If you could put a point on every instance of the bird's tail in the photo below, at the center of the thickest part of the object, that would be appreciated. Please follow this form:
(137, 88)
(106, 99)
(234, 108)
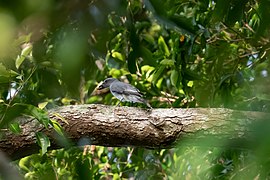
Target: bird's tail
(146, 103)
(141, 100)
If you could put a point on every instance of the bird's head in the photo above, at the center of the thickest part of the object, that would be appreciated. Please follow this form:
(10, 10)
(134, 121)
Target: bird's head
(106, 83)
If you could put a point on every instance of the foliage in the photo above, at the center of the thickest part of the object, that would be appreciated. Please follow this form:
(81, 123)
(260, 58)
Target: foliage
(179, 53)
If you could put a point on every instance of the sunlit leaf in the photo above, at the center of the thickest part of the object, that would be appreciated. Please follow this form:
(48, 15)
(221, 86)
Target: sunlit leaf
(25, 52)
(190, 84)
(57, 127)
(162, 44)
(42, 105)
(118, 55)
(181, 91)
(167, 62)
(24, 163)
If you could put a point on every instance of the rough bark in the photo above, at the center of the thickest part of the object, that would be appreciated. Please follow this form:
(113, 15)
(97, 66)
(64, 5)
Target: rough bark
(129, 126)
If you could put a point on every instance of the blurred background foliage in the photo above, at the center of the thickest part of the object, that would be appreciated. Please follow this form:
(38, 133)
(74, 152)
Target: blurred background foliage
(179, 53)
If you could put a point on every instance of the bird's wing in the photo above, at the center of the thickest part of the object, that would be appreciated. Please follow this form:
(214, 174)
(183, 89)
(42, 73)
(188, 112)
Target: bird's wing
(131, 90)
(125, 89)
(127, 92)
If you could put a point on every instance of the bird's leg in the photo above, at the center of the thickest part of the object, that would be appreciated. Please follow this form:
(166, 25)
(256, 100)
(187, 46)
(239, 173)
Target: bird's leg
(118, 103)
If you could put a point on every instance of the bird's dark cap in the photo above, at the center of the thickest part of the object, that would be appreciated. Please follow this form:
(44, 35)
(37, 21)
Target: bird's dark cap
(106, 83)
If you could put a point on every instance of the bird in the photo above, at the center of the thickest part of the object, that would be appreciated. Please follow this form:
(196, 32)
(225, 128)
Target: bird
(123, 91)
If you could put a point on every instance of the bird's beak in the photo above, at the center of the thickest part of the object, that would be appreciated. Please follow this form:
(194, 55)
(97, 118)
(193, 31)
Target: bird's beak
(100, 89)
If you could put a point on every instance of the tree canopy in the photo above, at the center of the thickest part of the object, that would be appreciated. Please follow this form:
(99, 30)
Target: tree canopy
(178, 53)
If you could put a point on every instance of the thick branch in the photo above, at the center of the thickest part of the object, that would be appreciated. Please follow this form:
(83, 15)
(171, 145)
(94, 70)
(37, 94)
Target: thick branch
(129, 126)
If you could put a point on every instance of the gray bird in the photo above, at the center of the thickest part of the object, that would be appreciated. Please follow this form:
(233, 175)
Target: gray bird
(123, 91)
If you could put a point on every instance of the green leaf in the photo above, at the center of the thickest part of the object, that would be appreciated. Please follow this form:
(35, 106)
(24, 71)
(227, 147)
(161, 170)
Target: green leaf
(24, 163)
(167, 62)
(39, 114)
(236, 11)
(190, 84)
(224, 78)
(132, 62)
(150, 39)
(43, 141)
(15, 128)
(118, 56)
(147, 56)
(221, 10)
(116, 176)
(42, 105)
(11, 112)
(19, 61)
(158, 74)
(25, 52)
(57, 127)
(174, 77)
(5, 72)
(185, 24)
(121, 153)
(191, 75)
(162, 44)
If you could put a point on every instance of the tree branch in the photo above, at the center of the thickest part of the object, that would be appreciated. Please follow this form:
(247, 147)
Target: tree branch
(129, 126)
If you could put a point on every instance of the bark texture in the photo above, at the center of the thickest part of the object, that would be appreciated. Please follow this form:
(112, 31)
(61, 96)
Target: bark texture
(128, 126)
